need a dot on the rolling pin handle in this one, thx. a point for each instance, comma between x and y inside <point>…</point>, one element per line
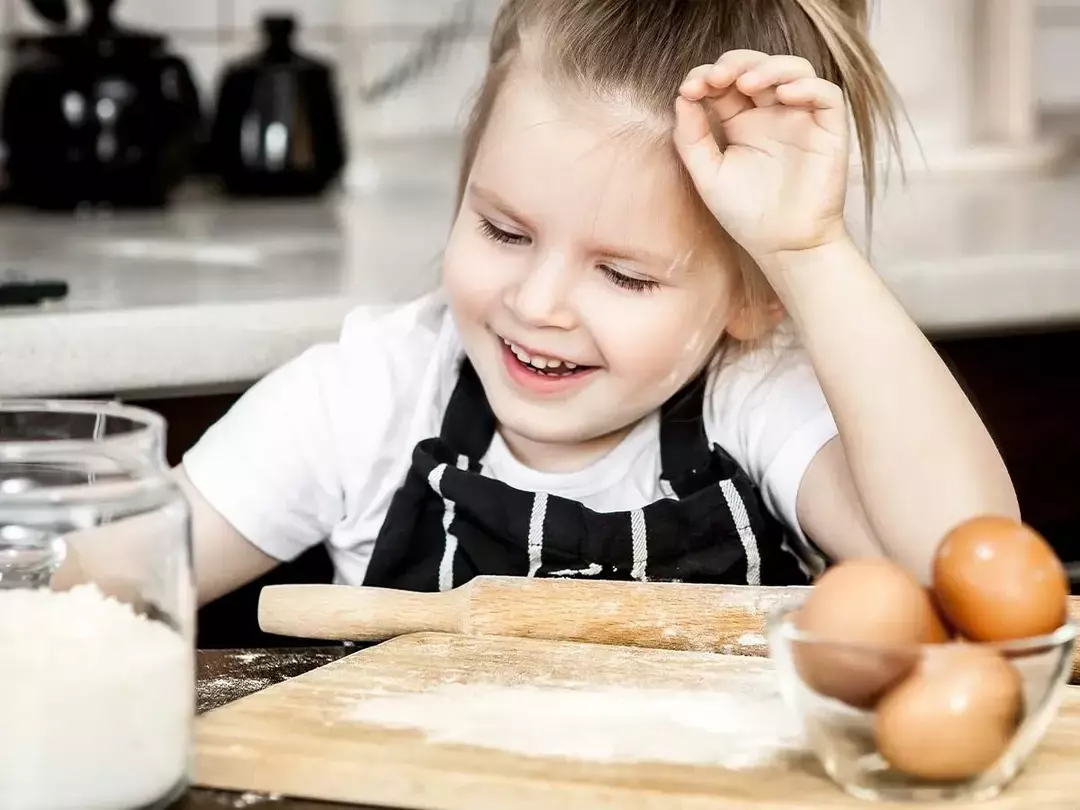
<point>347,613</point>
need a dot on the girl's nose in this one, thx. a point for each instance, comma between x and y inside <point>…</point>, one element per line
<point>542,296</point>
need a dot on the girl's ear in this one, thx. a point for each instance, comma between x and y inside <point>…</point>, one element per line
<point>752,321</point>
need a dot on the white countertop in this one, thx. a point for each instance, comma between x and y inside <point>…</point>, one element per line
<point>212,294</point>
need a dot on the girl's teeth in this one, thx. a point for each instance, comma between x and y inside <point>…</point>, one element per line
<point>538,362</point>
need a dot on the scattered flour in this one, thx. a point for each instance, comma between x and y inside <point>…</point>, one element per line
<point>734,730</point>
<point>251,799</point>
<point>752,640</point>
<point>249,657</point>
<point>98,703</point>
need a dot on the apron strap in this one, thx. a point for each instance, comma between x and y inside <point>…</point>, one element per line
<point>469,423</point>
<point>684,446</point>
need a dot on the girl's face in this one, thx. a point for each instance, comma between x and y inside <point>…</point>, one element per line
<point>578,277</point>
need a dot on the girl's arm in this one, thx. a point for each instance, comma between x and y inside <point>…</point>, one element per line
<point>108,555</point>
<point>223,558</point>
<point>919,457</point>
<point>913,459</point>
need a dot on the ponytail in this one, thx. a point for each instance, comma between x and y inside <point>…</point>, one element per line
<point>842,27</point>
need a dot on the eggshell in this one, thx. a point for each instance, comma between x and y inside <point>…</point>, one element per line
<point>954,717</point>
<point>867,614</point>
<point>996,579</point>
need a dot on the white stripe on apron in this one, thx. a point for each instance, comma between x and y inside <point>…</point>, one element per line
<point>641,545</point>
<point>446,566</point>
<point>746,533</point>
<point>536,532</point>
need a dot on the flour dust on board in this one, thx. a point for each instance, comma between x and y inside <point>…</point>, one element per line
<point>730,729</point>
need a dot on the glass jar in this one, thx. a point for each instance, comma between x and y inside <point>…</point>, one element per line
<point>97,610</point>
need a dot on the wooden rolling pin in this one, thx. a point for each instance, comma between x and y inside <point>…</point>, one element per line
<point>661,615</point>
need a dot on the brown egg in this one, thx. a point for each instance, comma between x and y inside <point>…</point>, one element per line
<point>953,717</point>
<point>996,579</point>
<point>873,602</point>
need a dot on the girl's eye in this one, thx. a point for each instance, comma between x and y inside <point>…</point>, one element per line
<point>499,235</point>
<point>628,282</point>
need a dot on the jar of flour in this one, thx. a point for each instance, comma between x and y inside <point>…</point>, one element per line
<point>97,610</point>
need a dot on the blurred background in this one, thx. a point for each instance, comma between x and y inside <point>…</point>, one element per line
<point>193,193</point>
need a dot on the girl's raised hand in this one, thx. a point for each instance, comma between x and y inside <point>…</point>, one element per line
<point>766,142</point>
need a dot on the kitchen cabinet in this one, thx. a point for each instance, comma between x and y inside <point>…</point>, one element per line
<point>1025,385</point>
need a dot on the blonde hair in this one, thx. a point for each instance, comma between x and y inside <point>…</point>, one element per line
<point>641,50</point>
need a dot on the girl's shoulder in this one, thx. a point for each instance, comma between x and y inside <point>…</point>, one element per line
<point>406,351</point>
<point>767,399</point>
<point>772,365</point>
<point>409,326</point>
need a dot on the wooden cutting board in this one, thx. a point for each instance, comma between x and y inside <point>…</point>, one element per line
<point>447,722</point>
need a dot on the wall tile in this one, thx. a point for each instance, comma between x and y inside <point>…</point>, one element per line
<point>309,13</point>
<point>169,15</point>
<point>412,13</point>
<point>432,104</point>
<point>205,59</point>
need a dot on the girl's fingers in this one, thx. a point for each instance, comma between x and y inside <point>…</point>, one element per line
<point>714,80</point>
<point>761,82</point>
<point>743,79</point>
<point>816,93</point>
<point>732,65</point>
<point>766,98</point>
<point>715,84</point>
<point>694,86</point>
<point>695,141</point>
<point>823,97</point>
<point>774,71</point>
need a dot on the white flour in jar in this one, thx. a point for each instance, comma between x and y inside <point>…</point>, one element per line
<point>97,703</point>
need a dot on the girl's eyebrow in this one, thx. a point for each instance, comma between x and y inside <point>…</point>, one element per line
<point>631,254</point>
<point>495,201</point>
<point>638,256</point>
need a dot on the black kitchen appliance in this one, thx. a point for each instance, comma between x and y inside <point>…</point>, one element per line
<point>277,128</point>
<point>102,115</point>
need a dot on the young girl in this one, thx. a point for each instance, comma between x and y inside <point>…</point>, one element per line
<point>656,352</point>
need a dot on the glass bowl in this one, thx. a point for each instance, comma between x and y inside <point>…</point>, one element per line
<point>961,703</point>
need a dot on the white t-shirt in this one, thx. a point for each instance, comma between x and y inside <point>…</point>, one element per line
<point>315,451</point>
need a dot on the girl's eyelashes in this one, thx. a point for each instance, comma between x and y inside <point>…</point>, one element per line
<point>628,282</point>
<point>496,234</point>
<point>621,280</point>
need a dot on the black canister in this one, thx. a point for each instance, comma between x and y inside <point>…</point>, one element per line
<point>277,129</point>
<point>102,115</point>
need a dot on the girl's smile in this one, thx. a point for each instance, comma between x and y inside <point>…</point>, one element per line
<point>542,375</point>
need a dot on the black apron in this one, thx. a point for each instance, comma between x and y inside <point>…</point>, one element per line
<point>449,523</point>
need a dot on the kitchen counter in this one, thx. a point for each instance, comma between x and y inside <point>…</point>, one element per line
<point>213,295</point>
<point>206,295</point>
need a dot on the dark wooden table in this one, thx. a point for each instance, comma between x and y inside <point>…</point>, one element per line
<point>227,675</point>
